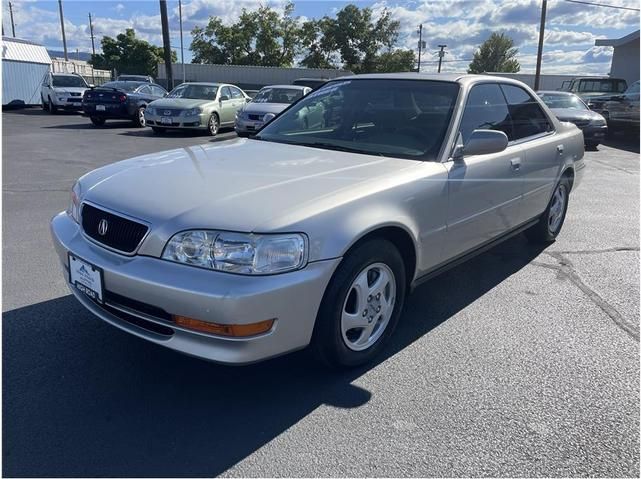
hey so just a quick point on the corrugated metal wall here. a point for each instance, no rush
(23, 50)
(247, 77)
(21, 82)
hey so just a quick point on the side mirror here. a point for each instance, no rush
(480, 142)
(224, 98)
(91, 85)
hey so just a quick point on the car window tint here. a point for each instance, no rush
(158, 91)
(225, 91)
(235, 92)
(528, 118)
(485, 110)
(145, 90)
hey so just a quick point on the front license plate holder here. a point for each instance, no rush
(86, 278)
(165, 120)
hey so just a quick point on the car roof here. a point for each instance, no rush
(461, 78)
(555, 92)
(289, 87)
(203, 83)
(66, 74)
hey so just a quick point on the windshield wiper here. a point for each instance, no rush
(333, 146)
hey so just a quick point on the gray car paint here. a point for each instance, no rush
(446, 207)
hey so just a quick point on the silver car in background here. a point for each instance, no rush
(267, 103)
(315, 231)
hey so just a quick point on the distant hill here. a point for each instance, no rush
(84, 56)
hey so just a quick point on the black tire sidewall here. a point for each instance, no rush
(540, 232)
(328, 340)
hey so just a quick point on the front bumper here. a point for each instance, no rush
(594, 133)
(198, 122)
(292, 299)
(247, 126)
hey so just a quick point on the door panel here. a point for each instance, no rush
(484, 199)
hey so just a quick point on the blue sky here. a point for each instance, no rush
(463, 25)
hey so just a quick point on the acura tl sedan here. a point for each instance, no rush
(196, 106)
(314, 232)
(267, 103)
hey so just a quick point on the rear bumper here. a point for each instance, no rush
(113, 112)
(292, 299)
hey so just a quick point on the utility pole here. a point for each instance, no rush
(420, 46)
(62, 26)
(93, 48)
(182, 54)
(539, 53)
(166, 44)
(441, 54)
(13, 25)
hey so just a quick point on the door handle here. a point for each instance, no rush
(559, 148)
(515, 163)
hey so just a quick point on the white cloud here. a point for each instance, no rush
(119, 8)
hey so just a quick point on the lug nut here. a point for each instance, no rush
(378, 309)
(378, 296)
(364, 313)
(369, 298)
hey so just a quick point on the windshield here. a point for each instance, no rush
(123, 85)
(196, 92)
(278, 95)
(563, 101)
(69, 81)
(398, 118)
(605, 86)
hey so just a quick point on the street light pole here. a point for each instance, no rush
(420, 46)
(165, 43)
(13, 26)
(182, 52)
(62, 26)
(93, 47)
(441, 54)
(539, 53)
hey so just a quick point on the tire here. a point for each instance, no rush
(591, 145)
(551, 221)
(53, 109)
(157, 130)
(333, 342)
(139, 120)
(45, 106)
(242, 134)
(97, 121)
(213, 125)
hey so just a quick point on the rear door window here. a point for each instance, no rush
(235, 93)
(225, 91)
(528, 118)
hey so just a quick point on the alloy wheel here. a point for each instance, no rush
(557, 208)
(368, 306)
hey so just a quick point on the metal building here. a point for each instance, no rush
(245, 76)
(24, 66)
(625, 57)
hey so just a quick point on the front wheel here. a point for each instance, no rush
(53, 109)
(213, 125)
(139, 120)
(551, 221)
(97, 121)
(361, 306)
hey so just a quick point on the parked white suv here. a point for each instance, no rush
(62, 91)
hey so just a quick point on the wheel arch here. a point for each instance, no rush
(569, 174)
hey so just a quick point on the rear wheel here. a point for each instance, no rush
(97, 121)
(361, 306)
(139, 120)
(551, 221)
(213, 125)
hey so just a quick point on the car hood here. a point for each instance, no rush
(589, 96)
(181, 103)
(240, 185)
(257, 108)
(572, 114)
(69, 89)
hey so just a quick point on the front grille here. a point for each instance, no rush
(168, 111)
(254, 117)
(75, 94)
(121, 234)
(136, 321)
(134, 305)
(581, 123)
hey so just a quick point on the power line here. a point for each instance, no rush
(605, 5)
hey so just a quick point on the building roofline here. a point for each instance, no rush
(615, 42)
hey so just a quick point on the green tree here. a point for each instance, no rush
(260, 37)
(496, 54)
(128, 54)
(396, 61)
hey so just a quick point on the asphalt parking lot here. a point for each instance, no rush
(522, 362)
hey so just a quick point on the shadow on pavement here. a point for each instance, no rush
(627, 141)
(82, 398)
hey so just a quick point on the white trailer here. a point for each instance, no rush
(24, 67)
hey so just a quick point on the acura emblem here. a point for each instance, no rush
(102, 227)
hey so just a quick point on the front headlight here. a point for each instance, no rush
(74, 203)
(238, 252)
(193, 112)
(150, 110)
(598, 122)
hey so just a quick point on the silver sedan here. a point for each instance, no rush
(315, 231)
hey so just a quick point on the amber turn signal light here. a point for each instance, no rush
(235, 330)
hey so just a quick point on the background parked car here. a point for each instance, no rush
(310, 82)
(199, 106)
(592, 88)
(270, 99)
(569, 107)
(622, 111)
(120, 100)
(145, 78)
(62, 91)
